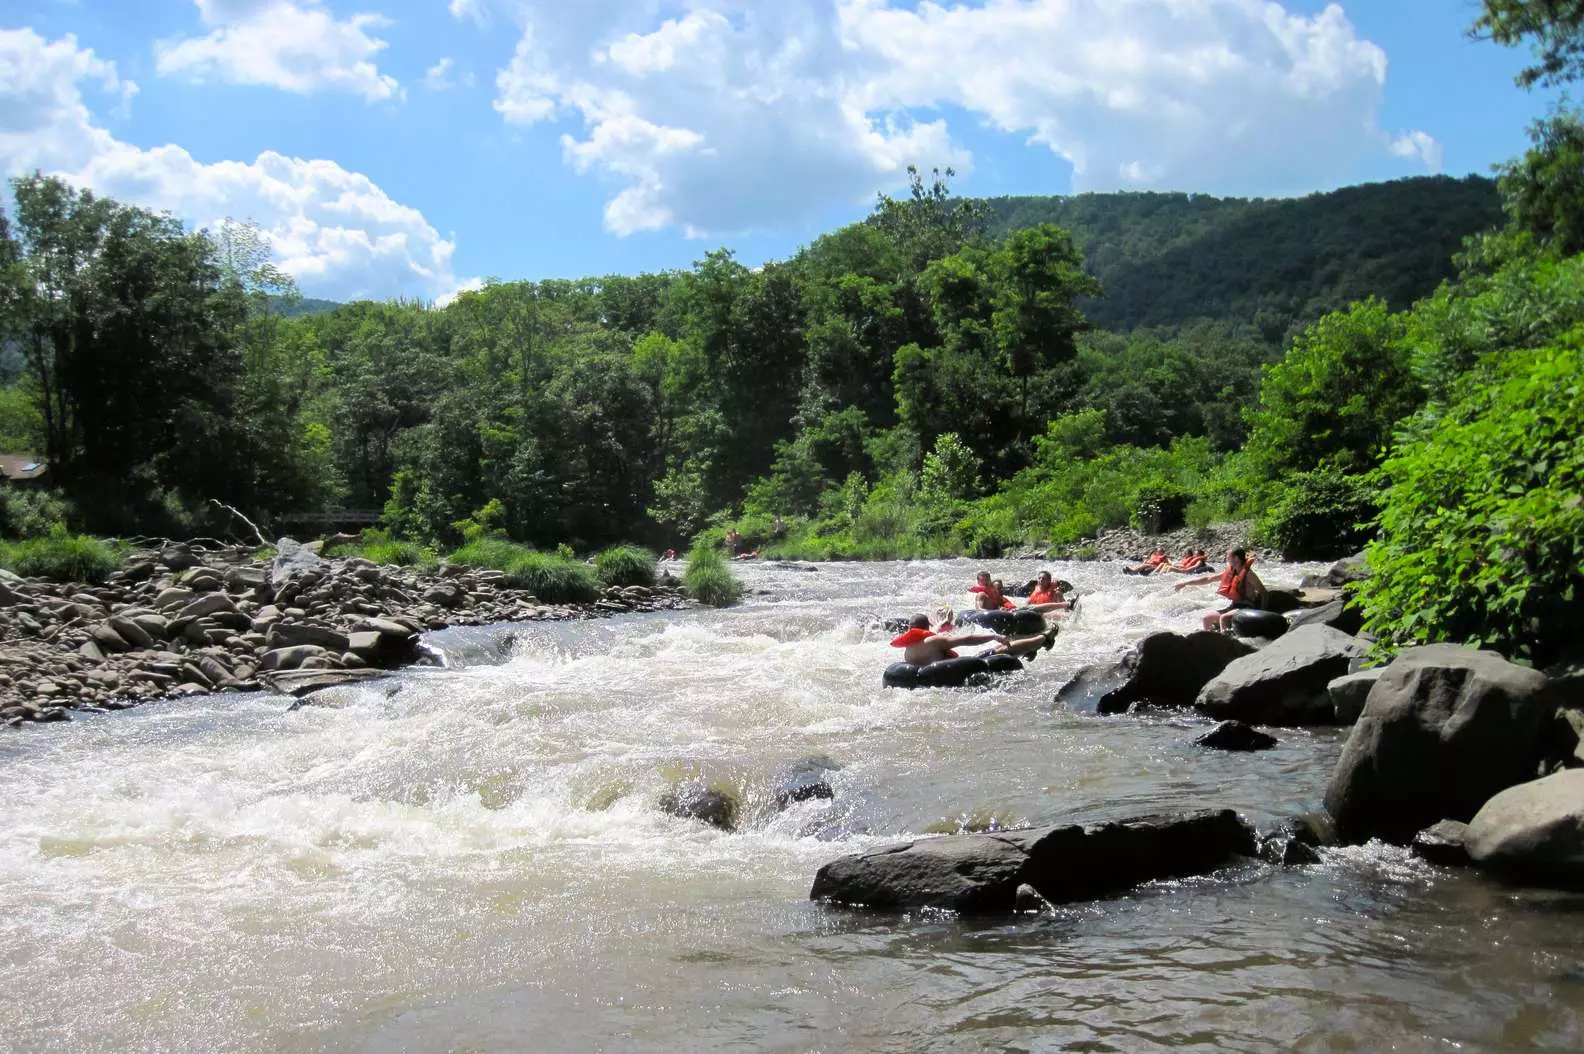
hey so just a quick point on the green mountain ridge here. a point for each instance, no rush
(1167, 259)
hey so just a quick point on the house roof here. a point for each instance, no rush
(21, 466)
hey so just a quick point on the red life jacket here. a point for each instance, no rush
(912, 636)
(1042, 596)
(1232, 581)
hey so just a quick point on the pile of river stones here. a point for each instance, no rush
(185, 620)
(1455, 751)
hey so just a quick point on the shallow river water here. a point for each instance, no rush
(477, 863)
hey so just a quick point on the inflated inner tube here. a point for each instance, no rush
(949, 673)
(1016, 623)
(1252, 622)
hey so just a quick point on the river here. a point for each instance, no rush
(475, 861)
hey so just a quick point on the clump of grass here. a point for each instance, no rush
(626, 565)
(379, 547)
(496, 554)
(553, 578)
(708, 580)
(61, 557)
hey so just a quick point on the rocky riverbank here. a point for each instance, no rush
(1125, 543)
(185, 620)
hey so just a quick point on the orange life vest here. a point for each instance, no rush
(1232, 581)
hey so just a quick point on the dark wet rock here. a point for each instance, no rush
(1337, 614)
(108, 639)
(288, 635)
(1283, 683)
(1444, 729)
(696, 800)
(1443, 843)
(1344, 572)
(130, 631)
(1282, 601)
(806, 779)
(303, 682)
(1027, 901)
(1349, 692)
(981, 873)
(1164, 669)
(445, 594)
(1235, 735)
(178, 557)
(1534, 831)
(1298, 840)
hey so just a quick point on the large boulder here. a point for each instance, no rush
(981, 873)
(1534, 831)
(1164, 669)
(1443, 730)
(1283, 683)
(1349, 693)
(1338, 614)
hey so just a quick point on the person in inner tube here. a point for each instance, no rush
(923, 645)
(1238, 583)
(1047, 595)
(989, 595)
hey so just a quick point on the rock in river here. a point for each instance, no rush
(1285, 682)
(1164, 669)
(1534, 831)
(1443, 730)
(981, 873)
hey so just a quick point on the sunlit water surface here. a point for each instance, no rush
(477, 863)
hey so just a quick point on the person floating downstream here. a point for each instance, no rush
(1047, 595)
(924, 645)
(1238, 583)
(989, 595)
(1158, 560)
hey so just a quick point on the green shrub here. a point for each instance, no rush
(1159, 505)
(61, 557)
(626, 565)
(1321, 515)
(553, 578)
(378, 546)
(496, 554)
(31, 513)
(1482, 528)
(708, 578)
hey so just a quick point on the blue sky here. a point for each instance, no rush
(411, 147)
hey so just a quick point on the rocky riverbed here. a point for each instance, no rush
(187, 620)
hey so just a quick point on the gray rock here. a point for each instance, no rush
(205, 604)
(292, 561)
(1337, 614)
(173, 598)
(1283, 683)
(1443, 730)
(1164, 669)
(1350, 569)
(1349, 692)
(696, 800)
(444, 594)
(108, 639)
(290, 634)
(1235, 735)
(806, 779)
(178, 557)
(1444, 843)
(130, 631)
(306, 681)
(290, 658)
(1534, 831)
(981, 873)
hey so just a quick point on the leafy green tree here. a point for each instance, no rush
(1543, 191)
(1336, 397)
(1482, 527)
(1554, 28)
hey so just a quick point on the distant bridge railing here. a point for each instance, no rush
(334, 516)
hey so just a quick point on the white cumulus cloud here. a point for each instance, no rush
(467, 9)
(295, 45)
(336, 231)
(721, 115)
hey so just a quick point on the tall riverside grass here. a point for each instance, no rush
(708, 579)
(61, 557)
(626, 565)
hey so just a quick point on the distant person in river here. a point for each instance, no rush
(1047, 595)
(988, 594)
(733, 542)
(1157, 560)
(923, 645)
(1238, 583)
(1195, 560)
(669, 554)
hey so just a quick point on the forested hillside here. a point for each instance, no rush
(1167, 259)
